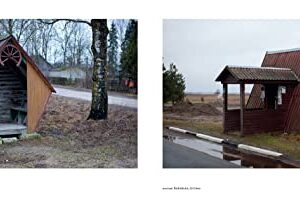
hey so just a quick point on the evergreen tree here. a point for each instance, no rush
(173, 85)
(129, 52)
(112, 51)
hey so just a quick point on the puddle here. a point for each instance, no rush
(229, 153)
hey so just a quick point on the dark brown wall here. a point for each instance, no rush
(12, 93)
(257, 121)
(232, 120)
(260, 120)
(284, 60)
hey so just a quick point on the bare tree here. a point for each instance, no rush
(99, 28)
(46, 35)
(121, 25)
(21, 29)
(64, 39)
(79, 44)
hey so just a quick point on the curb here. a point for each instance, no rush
(259, 150)
(9, 140)
(210, 138)
(229, 142)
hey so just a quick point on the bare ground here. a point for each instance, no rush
(70, 141)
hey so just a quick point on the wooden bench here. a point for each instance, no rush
(19, 115)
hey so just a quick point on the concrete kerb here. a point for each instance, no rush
(9, 140)
(259, 150)
(30, 136)
(229, 142)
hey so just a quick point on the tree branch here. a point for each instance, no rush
(53, 21)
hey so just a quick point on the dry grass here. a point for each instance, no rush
(69, 140)
(233, 99)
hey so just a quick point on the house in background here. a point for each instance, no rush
(43, 64)
(274, 102)
(24, 90)
(71, 73)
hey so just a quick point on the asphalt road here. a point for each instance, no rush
(117, 100)
(178, 156)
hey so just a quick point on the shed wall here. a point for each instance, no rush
(283, 60)
(38, 95)
(258, 121)
(232, 120)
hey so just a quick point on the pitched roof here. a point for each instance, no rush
(13, 40)
(283, 51)
(257, 74)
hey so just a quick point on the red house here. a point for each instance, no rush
(274, 102)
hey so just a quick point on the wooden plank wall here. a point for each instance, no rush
(38, 95)
(232, 120)
(258, 121)
(261, 120)
(12, 93)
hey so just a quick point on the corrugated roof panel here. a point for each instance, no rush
(259, 74)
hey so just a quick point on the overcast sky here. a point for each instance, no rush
(201, 48)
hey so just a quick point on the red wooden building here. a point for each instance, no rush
(274, 102)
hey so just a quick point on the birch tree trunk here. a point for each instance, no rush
(99, 50)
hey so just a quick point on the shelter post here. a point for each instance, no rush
(225, 101)
(242, 105)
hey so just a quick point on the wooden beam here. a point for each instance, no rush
(225, 97)
(225, 102)
(242, 105)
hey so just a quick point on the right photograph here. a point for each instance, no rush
(231, 93)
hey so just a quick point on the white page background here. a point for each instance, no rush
(147, 181)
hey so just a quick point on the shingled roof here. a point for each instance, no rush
(238, 74)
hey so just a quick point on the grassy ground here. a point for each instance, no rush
(288, 144)
(70, 141)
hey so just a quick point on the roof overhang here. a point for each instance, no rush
(257, 75)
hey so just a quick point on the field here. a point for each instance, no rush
(203, 113)
(68, 140)
(233, 99)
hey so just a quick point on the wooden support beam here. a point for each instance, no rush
(242, 105)
(225, 97)
(225, 102)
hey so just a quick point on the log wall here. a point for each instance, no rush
(12, 93)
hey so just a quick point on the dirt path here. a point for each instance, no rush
(115, 100)
(70, 141)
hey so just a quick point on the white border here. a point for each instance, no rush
(146, 181)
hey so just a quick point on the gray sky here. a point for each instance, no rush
(201, 48)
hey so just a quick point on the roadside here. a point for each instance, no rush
(70, 141)
(110, 93)
(116, 100)
(208, 121)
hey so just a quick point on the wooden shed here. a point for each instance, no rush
(24, 90)
(270, 102)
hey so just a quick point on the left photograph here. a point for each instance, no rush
(68, 93)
